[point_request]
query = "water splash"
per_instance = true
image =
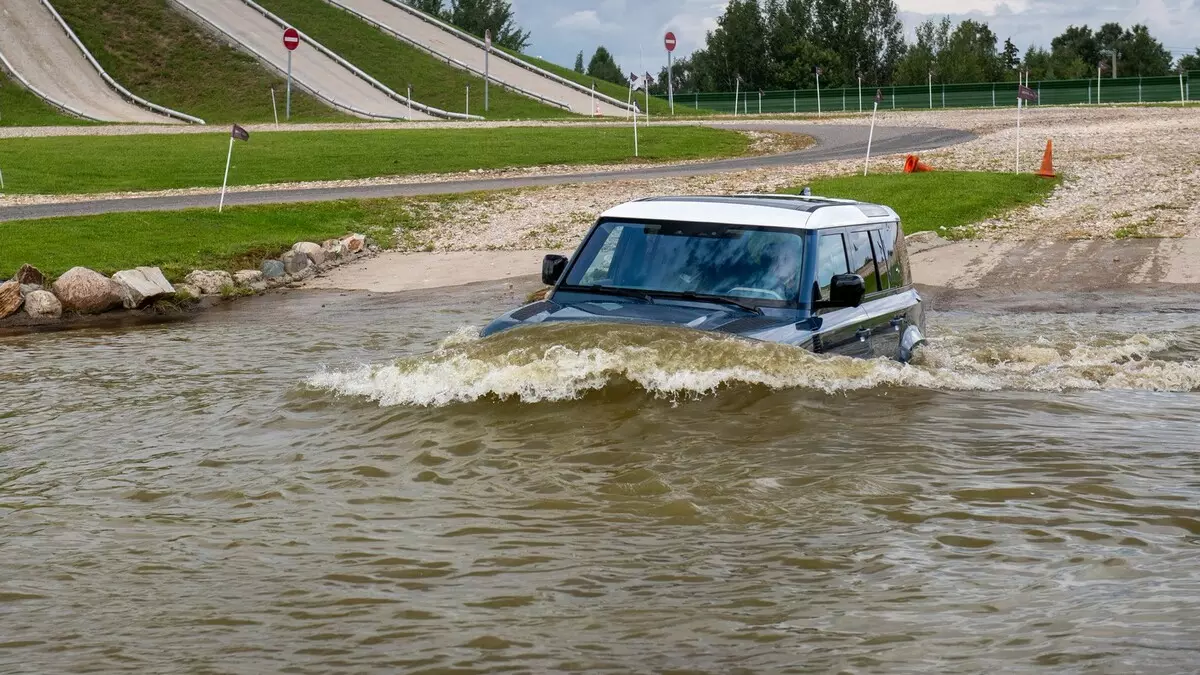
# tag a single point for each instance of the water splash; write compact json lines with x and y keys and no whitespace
{"x":564,"y":362}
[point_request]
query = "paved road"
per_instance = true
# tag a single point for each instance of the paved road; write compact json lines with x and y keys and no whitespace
{"x":408,"y":22}
{"x":311,"y":69}
{"x":833,"y":142}
{"x":38,"y":49}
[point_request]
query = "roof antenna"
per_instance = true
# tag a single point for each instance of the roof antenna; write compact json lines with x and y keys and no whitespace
{"x":806,"y":192}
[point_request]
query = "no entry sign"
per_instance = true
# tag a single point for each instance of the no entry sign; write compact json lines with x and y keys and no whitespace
{"x":291,"y":39}
{"x":669,"y":41}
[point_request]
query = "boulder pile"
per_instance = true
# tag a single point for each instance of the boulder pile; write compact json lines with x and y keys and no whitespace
{"x":84,"y":291}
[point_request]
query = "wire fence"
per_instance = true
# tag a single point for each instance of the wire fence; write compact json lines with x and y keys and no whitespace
{"x":1171,"y":88}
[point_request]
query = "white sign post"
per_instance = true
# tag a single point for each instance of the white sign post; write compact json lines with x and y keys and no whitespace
{"x":817,"y":71}
{"x":274,"y":108}
{"x":487,"y":54}
{"x":468,"y":100}
{"x":1024,"y":93}
{"x":236,"y":134}
{"x":669,"y":43}
{"x":871,"y":137}
{"x":737,"y":88}
{"x":291,"y":40}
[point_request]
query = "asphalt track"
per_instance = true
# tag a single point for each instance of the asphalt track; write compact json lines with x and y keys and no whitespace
{"x":833,"y":142}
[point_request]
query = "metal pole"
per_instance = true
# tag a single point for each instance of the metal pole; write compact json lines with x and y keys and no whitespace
{"x":593,"y":98}
{"x":737,"y":88}
{"x":870,"y":138}
{"x":1182,"y":94}
{"x":409,"y":101}
{"x":994,"y":96}
{"x":646,"y":84}
{"x":1098,"y":79}
{"x":943,"y":95}
{"x":274,"y":108}
{"x":289,"y":87}
{"x":793,"y":101}
{"x":225,"y":181}
{"x":635,"y":138}
{"x":818,"y":94}
{"x":860,"y":95}
{"x":1018,"y":134}
{"x":468,"y":99}
{"x":931,"y":91}
{"x":487,"y":69}
{"x":1139,"y":89}
{"x":760,"y":103}
{"x":670,"y":83}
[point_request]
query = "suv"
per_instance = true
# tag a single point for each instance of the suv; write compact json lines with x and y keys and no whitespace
{"x":829,"y":275}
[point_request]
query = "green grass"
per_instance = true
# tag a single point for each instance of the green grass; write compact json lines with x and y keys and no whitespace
{"x":658,"y":107}
{"x":93,"y":164}
{"x":19,"y":107}
{"x":940,"y":199}
{"x":398,"y":64}
{"x":180,"y":241}
{"x":161,"y":55}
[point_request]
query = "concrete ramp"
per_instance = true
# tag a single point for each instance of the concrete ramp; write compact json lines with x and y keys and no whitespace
{"x":467,"y":52}
{"x":42,"y":53}
{"x":315,"y":68}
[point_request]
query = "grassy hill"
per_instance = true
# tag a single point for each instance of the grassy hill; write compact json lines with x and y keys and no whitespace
{"x":161,"y":55}
{"x":21,"y":108}
{"x":397,"y":64}
{"x":658,"y":107}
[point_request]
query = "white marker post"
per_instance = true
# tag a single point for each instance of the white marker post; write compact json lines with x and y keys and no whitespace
{"x":274,"y":108}
{"x":817,"y":70}
{"x":1182,"y":93}
{"x":871,"y":137}
{"x":860,"y":94}
{"x":593,"y":98}
{"x":635,"y":134}
{"x":468,"y":100}
{"x":1024,"y":93}
{"x":236,"y":134}
{"x":646,"y":84}
{"x":737,"y":88}
{"x":410,"y":100}
{"x":487,"y":62}
{"x":291,"y":40}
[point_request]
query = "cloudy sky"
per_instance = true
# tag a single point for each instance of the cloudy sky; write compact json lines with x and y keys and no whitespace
{"x":633,"y":29}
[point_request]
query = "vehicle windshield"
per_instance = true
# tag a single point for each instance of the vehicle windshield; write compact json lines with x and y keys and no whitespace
{"x":757,"y":266}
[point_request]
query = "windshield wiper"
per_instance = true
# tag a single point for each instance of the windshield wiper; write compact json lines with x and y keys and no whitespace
{"x":689,"y":295}
{"x":612,"y":290}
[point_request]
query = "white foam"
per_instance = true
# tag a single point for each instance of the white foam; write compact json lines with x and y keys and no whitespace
{"x":556,"y":363}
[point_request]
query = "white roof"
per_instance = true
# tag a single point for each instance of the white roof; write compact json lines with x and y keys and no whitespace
{"x":765,"y":210}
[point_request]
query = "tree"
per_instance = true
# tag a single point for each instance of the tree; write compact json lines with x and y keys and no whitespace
{"x":922,"y":58}
{"x":1076,"y":43}
{"x":969,"y":55}
{"x":1142,"y":54}
{"x":431,"y":7}
{"x":1191,"y":61}
{"x":604,"y":67}
{"x":735,"y":48}
{"x":478,"y":16}
{"x":1010,"y":58}
{"x":579,"y":62}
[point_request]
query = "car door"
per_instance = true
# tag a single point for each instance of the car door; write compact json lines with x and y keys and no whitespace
{"x":842,"y":330}
{"x":888,"y":311}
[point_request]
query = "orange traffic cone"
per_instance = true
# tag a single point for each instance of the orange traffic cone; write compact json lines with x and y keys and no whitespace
{"x":1047,"y":170}
{"x":913,"y":164}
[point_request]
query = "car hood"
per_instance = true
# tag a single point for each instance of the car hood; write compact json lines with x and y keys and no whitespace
{"x":699,"y":316}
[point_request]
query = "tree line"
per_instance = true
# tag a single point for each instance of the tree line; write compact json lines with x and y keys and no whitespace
{"x":478,"y":16}
{"x":781,"y":44}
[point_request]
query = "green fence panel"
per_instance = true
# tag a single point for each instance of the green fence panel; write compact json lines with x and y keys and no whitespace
{"x":923,"y":97}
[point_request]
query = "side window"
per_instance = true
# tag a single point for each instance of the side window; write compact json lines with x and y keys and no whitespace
{"x":884,"y":254}
{"x":862,"y":258}
{"x":831,"y":260}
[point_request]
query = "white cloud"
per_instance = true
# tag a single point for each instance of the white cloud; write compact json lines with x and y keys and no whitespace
{"x":587,"y":20}
{"x":985,"y":7}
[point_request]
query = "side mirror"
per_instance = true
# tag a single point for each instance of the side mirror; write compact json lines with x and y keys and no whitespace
{"x":847,"y":290}
{"x":553,"y":267}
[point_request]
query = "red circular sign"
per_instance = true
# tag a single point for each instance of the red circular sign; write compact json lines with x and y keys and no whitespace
{"x":291,"y":39}
{"x":669,"y":41}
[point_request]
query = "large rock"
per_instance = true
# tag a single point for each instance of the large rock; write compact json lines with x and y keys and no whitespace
{"x":295,"y":261}
{"x":334,"y":249}
{"x":354,"y":242}
{"x":43,"y":305}
{"x":273,"y":269}
{"x":142,"y":286}
{"x":10,"y":298}
{"x":188,"y":291}
{"x":26,"y":289}
{"x":208,"y":282}
{"x":313,"y":251}
{"x":88,"y":292}
{"x":247,"y":277}
{"x":28,"y":274}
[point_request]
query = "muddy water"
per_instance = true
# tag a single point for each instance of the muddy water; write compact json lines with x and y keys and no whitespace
{"x":344,"y":483}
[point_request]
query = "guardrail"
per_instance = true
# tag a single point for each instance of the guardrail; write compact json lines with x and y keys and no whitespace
{"x":508,"y":57}
{"x":8,"y":67}
{"x":447,"y":58}
{"x":430,"y":110}
{"x":1164,"y":89}
{"x":113,"y":83}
